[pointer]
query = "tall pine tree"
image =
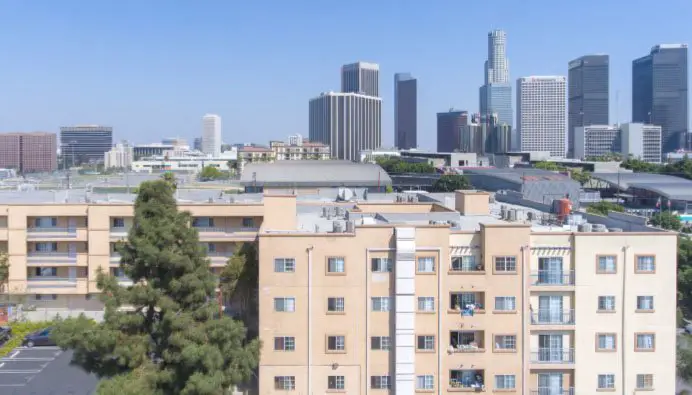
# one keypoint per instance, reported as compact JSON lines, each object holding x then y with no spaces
{"x":163,"y":335}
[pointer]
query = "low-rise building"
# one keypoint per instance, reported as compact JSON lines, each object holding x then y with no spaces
{"x":632,"y":140}
{"x":303,"y":150}
{"x":120,"y":156}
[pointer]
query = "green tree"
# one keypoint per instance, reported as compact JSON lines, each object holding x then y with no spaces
{"x":666,"y":220}
{"x":550,"y":166}
{"x":451,"y":183}
{"x":4,"y":271}
{"x":238,"y":282}
{"x":169,"y":177}
{"x":395,"y":165}
{"x":684,"y":362}
{"x":685,"y":275}
{"x":164,"y":334}
{"x":210,"y":173}
{"x":604,"y":207}
{"x":580,"y":176}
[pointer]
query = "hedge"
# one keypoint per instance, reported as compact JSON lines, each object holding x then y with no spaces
{"x":19,"y":330}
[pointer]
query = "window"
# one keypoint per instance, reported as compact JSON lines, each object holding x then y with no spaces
{"x":426,"y":264}
{"x":426,"y":303}
{"x":505,"y":382}
{"x":46,"y":271}
{"x":285,"y":343}
{"x":466,"y":263}
{"x":203,"y":222}
{"x":505,"y":264}
{"x":505,"y":342}
{"x":336,"y":265}
{"x":381,"y":265}
{"x":645,"y":302}
{"x":380,"y":382}
{"x":645,"y":381}
{"x":248,"y":222}
{"x":380,"y":303}
{"x":118,"y":222}
{"x":606,"y":342}
{"x":426,"y":342}
{"x":606,"y":303}
{"x":285,"y":383}
{"x":645,"y":342}
{"x":607,"y":264}
{"x":46,"y":222}
{"x":646,"y":264}
{"x":336,"y":343}
{"x":46,"y":247}
{"x":336,"y":383}
{"x":210,"y":247}
{"x":286,"y":305}
{"x":379,"y":343}
{"x":505,"y":303}
{"x":425,"y":382}
{"x":284,"y":265}
{"x":606,"y":381}
{"x":45,"y":297}
{"x":335,"y":305}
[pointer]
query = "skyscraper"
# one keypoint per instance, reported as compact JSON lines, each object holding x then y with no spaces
{"x":211,"y":135}
{"x":405,"y":111}
{"x":496,"y":93}
{"x":659,"y":93}
{"x":362,"y":78}
{"x":541,"y":114}
{"x":85,"y":143}
{"x":587,"y":95}
{"x":449,"y":125}
{"x":347,"y":122}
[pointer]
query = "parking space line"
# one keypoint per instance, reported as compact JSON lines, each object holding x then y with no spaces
{"x":27,"y":359}
{"x":14,"y":354}
{"x":20,"y":371}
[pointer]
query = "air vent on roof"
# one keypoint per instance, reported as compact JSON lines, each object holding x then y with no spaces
{"x":614,"y":229}
{"x":585,"y":227}
{"x":337,"y":227}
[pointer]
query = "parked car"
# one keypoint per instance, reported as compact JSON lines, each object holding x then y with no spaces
{"x":5,"y":334}
{"x":39,"y":338}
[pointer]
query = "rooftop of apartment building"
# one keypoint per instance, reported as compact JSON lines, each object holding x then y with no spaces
{"x":334,"y":173}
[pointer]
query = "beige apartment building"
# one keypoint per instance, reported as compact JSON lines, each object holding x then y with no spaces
{"x":390,"y":295}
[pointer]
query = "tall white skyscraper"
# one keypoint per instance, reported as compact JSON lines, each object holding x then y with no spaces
{"x":497,"y":66}
{"x":541,"y":114}
{"x":362,"y":78}
{"x":211,"y":135}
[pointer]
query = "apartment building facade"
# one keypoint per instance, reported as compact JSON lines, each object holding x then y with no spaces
{"x":370,"y":297}
{"x":410,"y":308}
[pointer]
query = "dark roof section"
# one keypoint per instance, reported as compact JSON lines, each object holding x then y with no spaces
{"x":314,"y":173}
{"x":670,"y":187}
{"x":518,"y":175}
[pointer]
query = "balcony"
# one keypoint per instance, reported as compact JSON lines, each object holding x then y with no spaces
{"x":552,"y":391}
{"x":55,"y":258}
{"x":114,"y":258}
{"x":552,"y":317}
{"x":548,"y":278}
{"x":117,"y":234}
{"x":467,"y":303}
{"x":466,"y":381}
{"x":124,"y":281}
{"x":466,"y":342}
{"x":553,"y":356}
{"x":34,"y":233}
{"x":219,"y":258}
{"x":465,"y":265}
{"x":56,"y":285}
{"x":221,"y":234}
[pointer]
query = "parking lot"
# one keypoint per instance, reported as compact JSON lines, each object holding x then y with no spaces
{"x":43,"y":371}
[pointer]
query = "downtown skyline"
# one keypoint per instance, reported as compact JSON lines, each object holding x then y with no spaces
{"x":173,"y":98}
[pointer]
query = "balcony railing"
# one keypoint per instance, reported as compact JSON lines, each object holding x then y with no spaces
{"x":35,"y":232}
{"x":124,"y":281}
{"x":552,"y":277}
{"x":553,"y":355}
{"x":226,"y":231}
{"x":552,"y":317}
{"x":118,"y":233}
{"x":552,"y":391}
{"x":467,"y":269}
{"x":51,"y":257}
{"x":114,"y":258}
{"x":49,"y":281}
{"x":467,"y":383}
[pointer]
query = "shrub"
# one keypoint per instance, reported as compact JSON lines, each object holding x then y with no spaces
{"x":19,"y":330}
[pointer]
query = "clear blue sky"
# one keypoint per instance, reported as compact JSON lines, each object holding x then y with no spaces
{"x":152,"y":68}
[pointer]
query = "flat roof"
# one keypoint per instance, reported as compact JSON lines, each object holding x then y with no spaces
{"x":317,"y":173}
{"x":518,"y":175}
{"x":670,"y":187}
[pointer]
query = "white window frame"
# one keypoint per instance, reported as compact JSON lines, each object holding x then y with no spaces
{"x":646,"y":263}
{"x":505,"y":264}
{"x":505,"y":303}
{"x":606,"y":303}
{"x":505,"y":342}
{"x":505,"y":381}
{"x":284,"y":383}
{"x":645,"y":381}
{"x":645,"y":341}
{"x":381,"y":265}
{"x":339,"y":343}
{"x":383,"y":343}
{"x":380,"y":304}
{"x":428,"y":342}
{"x":463,"y":263}
{"x":608,"y":343}
{"x":336,"y":382}
{"x":426,"y":304}
{"x":284,"y":265}
{"x":606,"y":381}
{"x":288,"y":343}
{"x":645,"y":302}
{"x":425,"y":382}
{"x":607,"y":264}
{"x":425,"y":264}
{"x":288,"y":305}
{"x":339,"y":304}
{"x":336,"y":264}
{"x":380,"y":382}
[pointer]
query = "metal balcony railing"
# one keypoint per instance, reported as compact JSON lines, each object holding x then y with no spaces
{"x":552,"y":391}
{"x":552,"y":277}
{"x":68,"y":232}
{"x":48,"y":279}
{"x":553,"y":355}
{"x":462,"y":269}
{"x":229,"y":231}
{"x":552,"y":317}
{"x":51,"y":254}
{"x":470,"y":383}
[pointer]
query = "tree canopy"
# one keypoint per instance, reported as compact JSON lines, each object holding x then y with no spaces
{"x":681,"y":168}
{"x":577,"y":174}
{"x":666,"y":220}
{"x":604,"y":207}
{"x":451,"y":183}
{"x":164,"y":334}
{"x":394,"y":165}
{"x":210,"y":173}
{"x":4,"y":271}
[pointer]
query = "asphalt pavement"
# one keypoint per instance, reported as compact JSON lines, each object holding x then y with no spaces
{"x":43,"y":371}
